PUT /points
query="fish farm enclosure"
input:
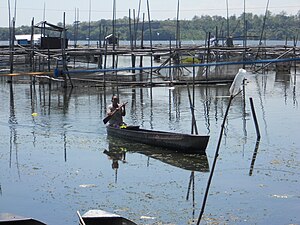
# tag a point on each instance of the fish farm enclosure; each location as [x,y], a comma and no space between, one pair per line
[211,133]
[56,157]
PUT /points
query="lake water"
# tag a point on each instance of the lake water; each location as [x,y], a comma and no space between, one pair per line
[55,156]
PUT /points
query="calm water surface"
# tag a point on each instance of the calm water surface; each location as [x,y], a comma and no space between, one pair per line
[60,159]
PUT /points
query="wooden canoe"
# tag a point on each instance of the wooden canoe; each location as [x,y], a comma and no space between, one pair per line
[101,217]
[185,143]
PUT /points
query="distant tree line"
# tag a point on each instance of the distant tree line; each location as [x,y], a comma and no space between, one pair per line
[272,26]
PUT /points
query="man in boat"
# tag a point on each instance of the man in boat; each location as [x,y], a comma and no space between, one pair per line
[116,111]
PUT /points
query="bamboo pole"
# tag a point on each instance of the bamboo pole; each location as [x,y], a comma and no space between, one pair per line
[26,74]
[234,91]
[90,12]
[131,45]
[255,118]
[114,33]
[105,63]
[177,27]
[214,162]
[12,45]
[151,47]
[170,61]
[192,107]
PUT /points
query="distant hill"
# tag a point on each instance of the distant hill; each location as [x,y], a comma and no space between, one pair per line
[277,27]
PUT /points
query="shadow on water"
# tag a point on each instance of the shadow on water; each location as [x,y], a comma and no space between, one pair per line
[117,150]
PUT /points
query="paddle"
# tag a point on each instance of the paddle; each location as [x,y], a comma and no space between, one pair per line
[80,218]
[107,118]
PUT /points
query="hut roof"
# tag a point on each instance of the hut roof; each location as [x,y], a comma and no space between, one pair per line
[49,26]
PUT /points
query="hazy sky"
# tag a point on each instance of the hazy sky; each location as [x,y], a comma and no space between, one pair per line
[159,9]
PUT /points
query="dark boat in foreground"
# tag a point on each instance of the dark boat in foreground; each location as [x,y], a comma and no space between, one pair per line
[100,217]
[8,218]
[185,143]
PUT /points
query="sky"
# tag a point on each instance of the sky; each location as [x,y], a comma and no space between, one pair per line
[52,10]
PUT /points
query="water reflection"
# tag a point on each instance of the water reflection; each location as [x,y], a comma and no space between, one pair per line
[12,116]
[207,99]
[295,103]
[116,155]
[43,102]
[151,107]
[261,84]
[118,149]
[254,156]
[13,145]
[283,79]
[75,128]
[117,152]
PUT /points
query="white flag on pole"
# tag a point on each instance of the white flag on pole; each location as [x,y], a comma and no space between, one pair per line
[237,82]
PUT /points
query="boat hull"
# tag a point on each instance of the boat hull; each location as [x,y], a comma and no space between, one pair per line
[8,218]
[186,143]
[101,217]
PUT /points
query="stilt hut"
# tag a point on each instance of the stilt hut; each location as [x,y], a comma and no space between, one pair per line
[51,36]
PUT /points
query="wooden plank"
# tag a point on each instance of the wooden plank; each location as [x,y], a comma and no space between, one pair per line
[26,74]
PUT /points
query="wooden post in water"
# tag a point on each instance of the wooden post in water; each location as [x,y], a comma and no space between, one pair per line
[114,33]
[143,30]
[255,119]
[63,55]
[207,56]
[64,60]
[194,76]
[31,56]
[134,28]
[177,27]
[170,61]
[151,47]
[245,35]
[105,61]
[245,43]
[227,18]
[130,31]
[100,36]
[100,60]
[12,47]
[191,101]
[214,162]
[90,12]
[234,90]
[131,46]
[295,45]
[142,46]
